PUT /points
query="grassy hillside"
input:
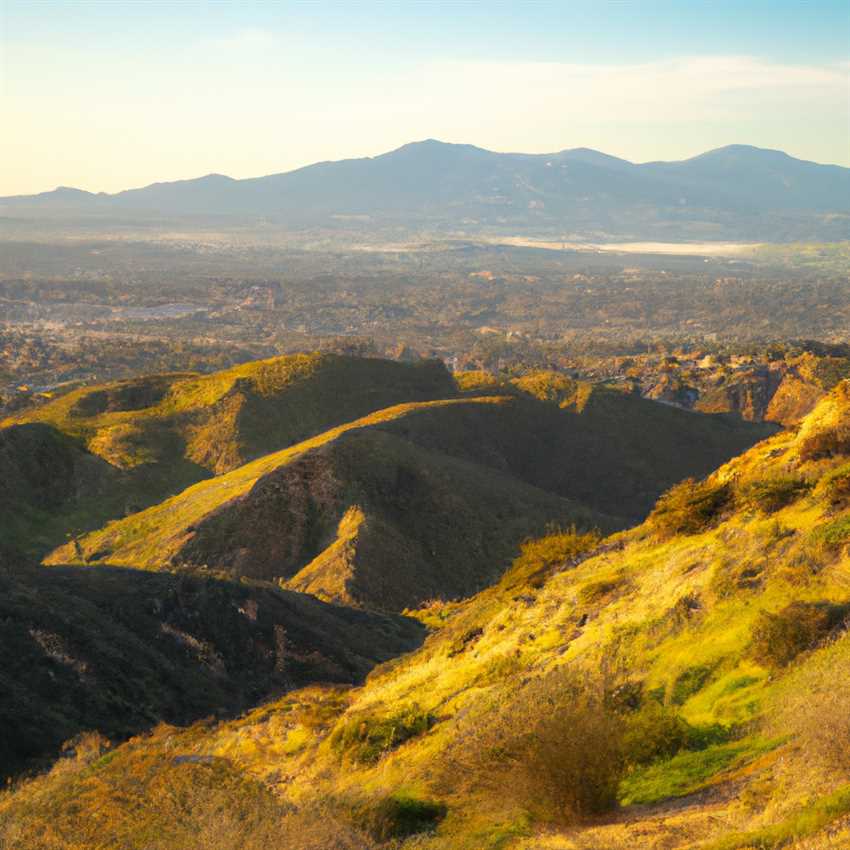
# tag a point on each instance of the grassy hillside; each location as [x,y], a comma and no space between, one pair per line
[678,685]
[46,480]
[119,651]
[166,432]
[424,500]
[221,420]
[427,524]
[125,446]
[611,451]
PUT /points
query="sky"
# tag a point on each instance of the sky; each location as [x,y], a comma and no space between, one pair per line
[111,95]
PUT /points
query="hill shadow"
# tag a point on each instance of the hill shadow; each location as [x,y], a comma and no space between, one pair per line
[119,650]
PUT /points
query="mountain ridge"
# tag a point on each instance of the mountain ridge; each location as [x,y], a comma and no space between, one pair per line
[432,181]
[576,153]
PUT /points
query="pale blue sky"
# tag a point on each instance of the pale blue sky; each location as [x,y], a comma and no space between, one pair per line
[107,95]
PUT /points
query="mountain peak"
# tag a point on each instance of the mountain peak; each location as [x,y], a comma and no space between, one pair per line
[215,177]
[430,180]
[593,157]
[68,192]
[430,146]
[739,151]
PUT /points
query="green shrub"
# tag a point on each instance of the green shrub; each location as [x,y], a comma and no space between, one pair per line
[836,486]
[688,682]
[771,494]
[656,732]
[833,534]
[400,816]
[553,748]
[365,739]
[653,733]
[595,591]
[539,558]
[777,639]
[689,508]
[831,442]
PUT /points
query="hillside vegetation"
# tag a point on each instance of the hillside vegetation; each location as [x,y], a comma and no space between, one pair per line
[159,434]
[613,451]
[49,484]
[119,650]
[670,686]
[432,525]
[425,499]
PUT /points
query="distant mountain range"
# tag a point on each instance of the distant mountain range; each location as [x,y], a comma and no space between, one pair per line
[723,191]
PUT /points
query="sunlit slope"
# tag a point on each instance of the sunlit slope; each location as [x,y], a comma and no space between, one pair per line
[221,420]
[431,524]
[161,433]
[714,631]
[384,522]
[171,520]
[785,393]
[690,621]
[104,452]
[444,492]
[417,524]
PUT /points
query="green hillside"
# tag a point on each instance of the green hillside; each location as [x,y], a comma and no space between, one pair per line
[47,481]
[443,491]
[433,525]
[608,450]
[220,421]
[372,519]
[671,686]
[160,434]
[122,447]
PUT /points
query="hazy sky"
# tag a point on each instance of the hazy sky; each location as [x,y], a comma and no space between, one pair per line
[110,95]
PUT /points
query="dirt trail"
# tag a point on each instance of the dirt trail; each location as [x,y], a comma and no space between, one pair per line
[672,825]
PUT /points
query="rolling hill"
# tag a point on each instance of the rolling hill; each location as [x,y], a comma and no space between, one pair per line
[463,185]
[419,500]
[355,514]
[120,650]
[671,686]
[101,452]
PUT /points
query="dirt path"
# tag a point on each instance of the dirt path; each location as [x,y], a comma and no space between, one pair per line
[672,825]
